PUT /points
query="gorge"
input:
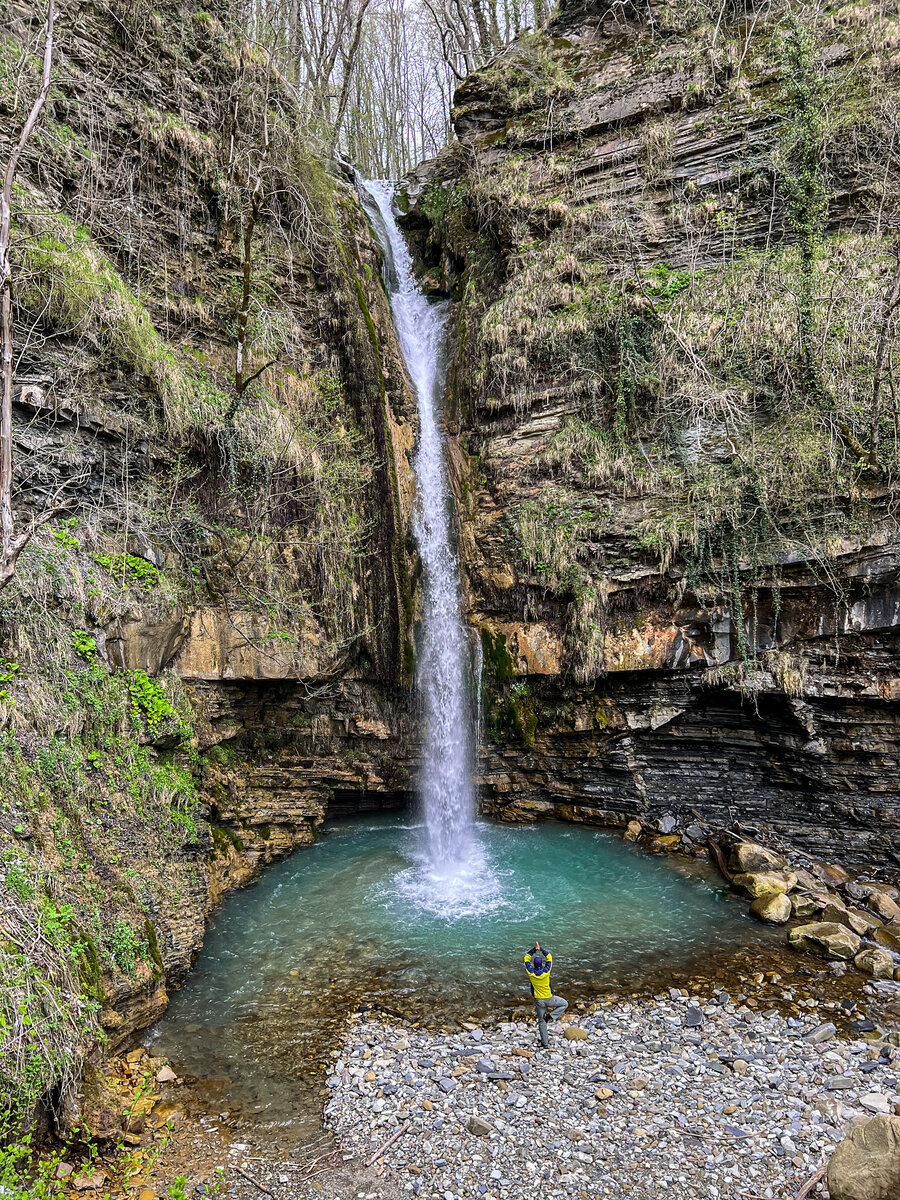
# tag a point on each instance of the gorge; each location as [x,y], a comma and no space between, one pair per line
[660,253]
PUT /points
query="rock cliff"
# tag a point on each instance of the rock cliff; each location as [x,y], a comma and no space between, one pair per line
[208,644]
[670,234]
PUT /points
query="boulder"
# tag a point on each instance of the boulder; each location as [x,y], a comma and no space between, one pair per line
[761,883]
[851,917]
[806,880]
[883,906]
[887,938]
[632,831]
[805,904]
[866,1164]
[831,875]
[751,858]
[774,908]
[875,962]
[825,938]
[858,891]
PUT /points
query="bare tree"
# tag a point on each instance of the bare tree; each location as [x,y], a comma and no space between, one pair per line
[13,544]
[376,77]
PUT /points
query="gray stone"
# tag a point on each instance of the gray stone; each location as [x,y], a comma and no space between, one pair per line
[825,938]
[823,1033]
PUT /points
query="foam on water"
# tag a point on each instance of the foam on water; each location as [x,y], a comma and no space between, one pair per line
[474,889]
[356,918]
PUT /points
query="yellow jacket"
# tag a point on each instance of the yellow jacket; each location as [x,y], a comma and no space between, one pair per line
[540,980]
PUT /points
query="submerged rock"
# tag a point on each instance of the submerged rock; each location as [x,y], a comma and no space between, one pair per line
[866,1165]
[825,938]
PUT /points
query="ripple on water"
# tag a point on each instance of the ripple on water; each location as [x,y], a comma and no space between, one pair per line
[360,917]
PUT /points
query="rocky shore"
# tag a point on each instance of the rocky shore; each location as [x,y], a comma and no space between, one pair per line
[697,1096]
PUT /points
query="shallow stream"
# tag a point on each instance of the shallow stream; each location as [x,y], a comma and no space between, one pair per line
[357,920]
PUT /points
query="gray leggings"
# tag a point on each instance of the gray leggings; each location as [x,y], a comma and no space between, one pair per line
[558,1007]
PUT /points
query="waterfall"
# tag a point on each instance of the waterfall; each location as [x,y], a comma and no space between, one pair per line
[446,773]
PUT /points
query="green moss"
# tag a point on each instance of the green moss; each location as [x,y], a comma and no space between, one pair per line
[498,663]
[525,719]
[224,838]
[153,946]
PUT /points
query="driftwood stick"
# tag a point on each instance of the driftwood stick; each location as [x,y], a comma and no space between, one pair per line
[246,1174]
[812,1181]
[397,1133]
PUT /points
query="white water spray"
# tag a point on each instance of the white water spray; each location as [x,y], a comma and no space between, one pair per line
[446,778]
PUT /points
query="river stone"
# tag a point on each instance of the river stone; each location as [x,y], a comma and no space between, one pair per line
[478,1126]
[884,907]
[632,831]
[773,908]
[866,1165]
[850,917]
[830,874]
[761,883]
[574,1034]
[806,880]
[806,905]
[667,824]
[875,962]
[825,938]
[751,858]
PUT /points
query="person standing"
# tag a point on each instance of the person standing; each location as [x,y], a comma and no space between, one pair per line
[538,965]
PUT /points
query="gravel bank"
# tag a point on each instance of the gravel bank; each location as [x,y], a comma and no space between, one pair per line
[701,1097]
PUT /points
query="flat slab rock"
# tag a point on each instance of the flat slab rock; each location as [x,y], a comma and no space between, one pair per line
[745,1103]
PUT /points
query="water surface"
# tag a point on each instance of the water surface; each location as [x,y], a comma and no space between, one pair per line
[352,920]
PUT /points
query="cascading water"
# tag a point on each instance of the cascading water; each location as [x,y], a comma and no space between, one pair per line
[455,867]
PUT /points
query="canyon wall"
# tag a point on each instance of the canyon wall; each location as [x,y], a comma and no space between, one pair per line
[207,644]
[668,239]
[671,238]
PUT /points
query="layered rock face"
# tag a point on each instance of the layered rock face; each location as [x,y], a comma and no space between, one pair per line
[669,238]
[208,645]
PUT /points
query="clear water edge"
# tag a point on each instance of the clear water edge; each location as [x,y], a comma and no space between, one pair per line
[327,931]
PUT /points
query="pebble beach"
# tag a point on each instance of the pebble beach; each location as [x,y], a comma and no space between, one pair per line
[691,1095]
